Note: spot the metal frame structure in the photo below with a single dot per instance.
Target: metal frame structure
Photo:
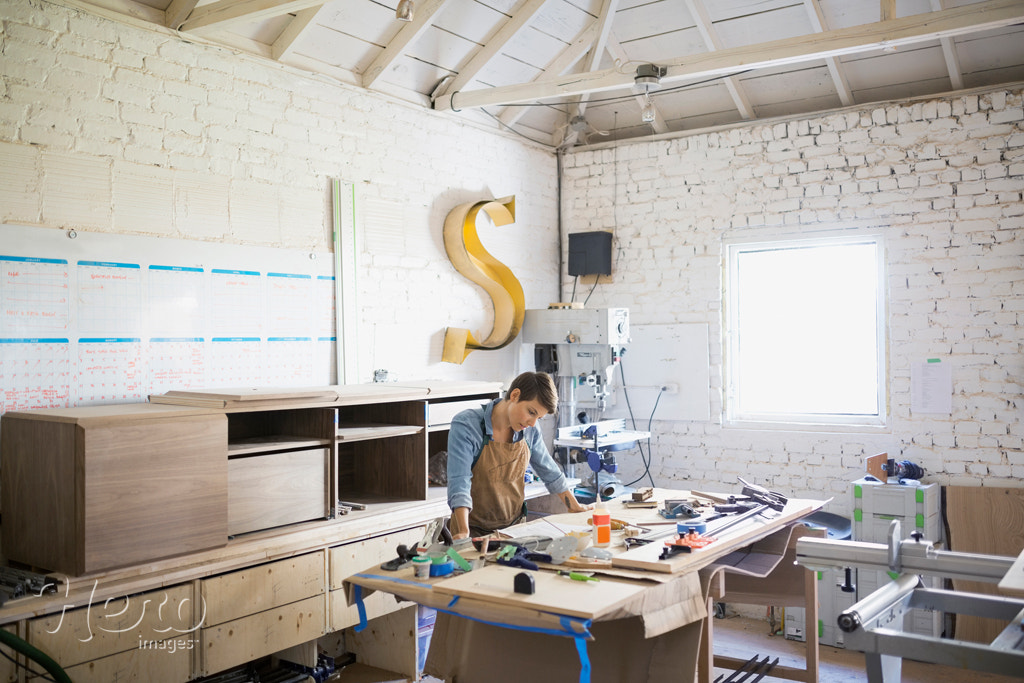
(874, 625)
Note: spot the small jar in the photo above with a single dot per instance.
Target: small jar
(421, 567)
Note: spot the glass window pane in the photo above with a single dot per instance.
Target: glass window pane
(805, 330)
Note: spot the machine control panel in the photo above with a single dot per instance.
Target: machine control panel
(577, 326)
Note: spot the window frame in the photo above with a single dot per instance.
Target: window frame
(732, 417)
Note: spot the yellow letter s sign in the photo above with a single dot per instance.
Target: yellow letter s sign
(469, 257)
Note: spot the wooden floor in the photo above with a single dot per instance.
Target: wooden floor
(744, 637)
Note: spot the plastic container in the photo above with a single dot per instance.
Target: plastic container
(421, 566)
(602, 527)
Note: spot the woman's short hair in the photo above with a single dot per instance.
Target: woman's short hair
(536, 386)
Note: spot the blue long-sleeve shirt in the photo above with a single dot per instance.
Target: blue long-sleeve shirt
(469, 431)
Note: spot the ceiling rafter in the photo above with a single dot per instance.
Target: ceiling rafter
(283, 46)
(835, 68)
(559, 65)
(220, 15)
(869, 37)
(177, 12)
(702, 19)
(566, 135)
(520, 18)
(950, 54)
(426, 10)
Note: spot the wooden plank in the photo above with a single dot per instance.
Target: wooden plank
(984, 520)
(272, 444)
(249, 638)
(119, 625)
(363, 432)
(389, 641)
(274, 489)
(554, 593)
(646, 556)
(256, 589)
(1013, 582)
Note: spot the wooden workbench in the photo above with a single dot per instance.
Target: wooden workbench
(642, 621)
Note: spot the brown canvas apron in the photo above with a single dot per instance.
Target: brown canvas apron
(499, 486)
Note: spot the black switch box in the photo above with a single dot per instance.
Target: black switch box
(590, 253)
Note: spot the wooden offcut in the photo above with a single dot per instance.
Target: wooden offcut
(989, 521)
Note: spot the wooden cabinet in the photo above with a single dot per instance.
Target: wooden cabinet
(229, 499)
(88, 489)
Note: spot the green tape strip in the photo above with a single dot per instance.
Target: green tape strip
(459, 560)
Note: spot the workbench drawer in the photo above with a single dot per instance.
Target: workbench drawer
(350, 558)
(345, 560)
(275, 489)
(243, 640)
(256, 589)
(120, 625)
(168, 661)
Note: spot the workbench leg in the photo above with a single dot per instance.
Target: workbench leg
(811, 625)
(706, 651)
(883, 668)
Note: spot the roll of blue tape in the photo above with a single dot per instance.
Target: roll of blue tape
(696, 524)
(442, 568)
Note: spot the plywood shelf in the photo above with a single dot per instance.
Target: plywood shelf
(272, 444)
(363, 432)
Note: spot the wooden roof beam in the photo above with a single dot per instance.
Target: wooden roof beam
(521, 16)
(892, 33)
(220, 15)
(409, 34)
(835, 69)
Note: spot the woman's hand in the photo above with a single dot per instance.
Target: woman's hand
(573, 505)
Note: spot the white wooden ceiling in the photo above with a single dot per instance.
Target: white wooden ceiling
(563, 72)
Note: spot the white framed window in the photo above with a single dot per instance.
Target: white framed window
(805, 331)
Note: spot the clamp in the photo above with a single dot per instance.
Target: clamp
(512, 555)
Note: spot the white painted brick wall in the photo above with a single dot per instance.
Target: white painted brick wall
(943, 178)
(242, 151)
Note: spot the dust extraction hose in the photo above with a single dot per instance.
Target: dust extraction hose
(35, 654)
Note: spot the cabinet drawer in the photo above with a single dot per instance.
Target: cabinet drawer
(243, 640)
(348, 559)
(351, 558)
(168, 661)
(275, 489)
(442, 413)
(120, 625)
(256, 589)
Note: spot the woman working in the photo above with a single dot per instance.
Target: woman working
(488, 450)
